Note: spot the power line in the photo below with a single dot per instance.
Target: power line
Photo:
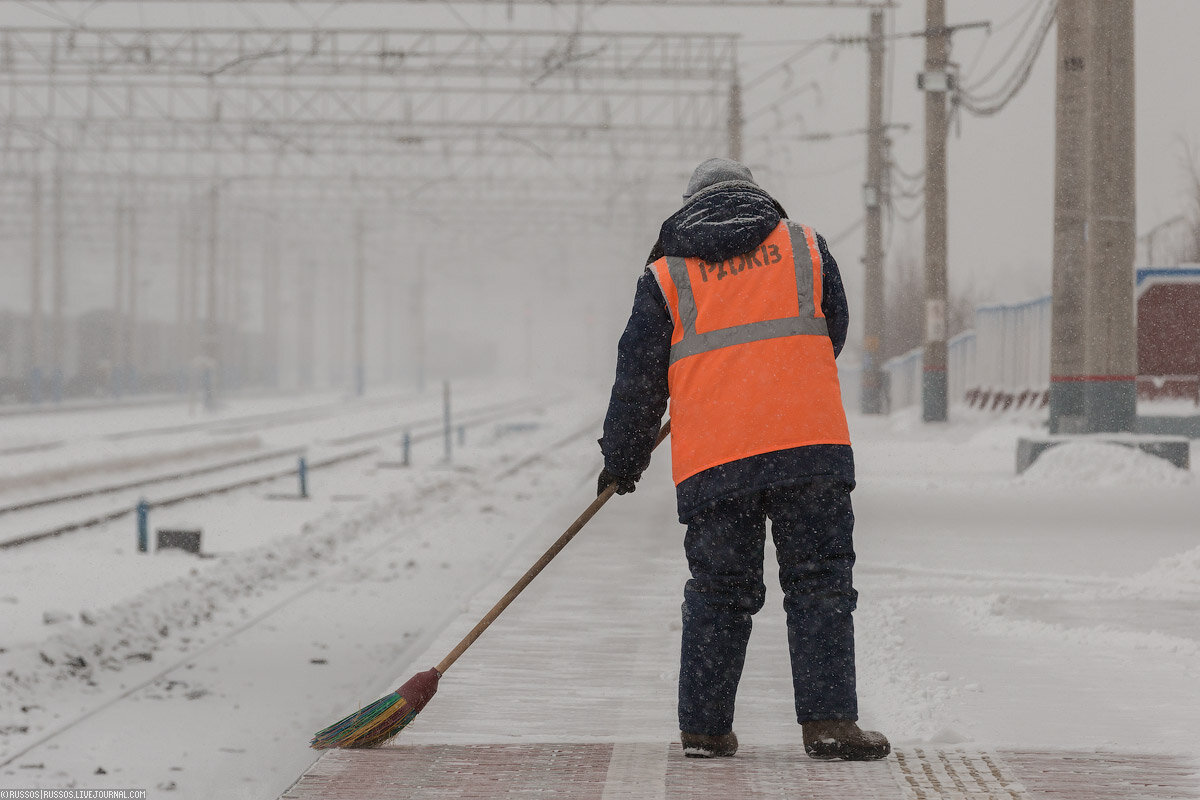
(993, 103)
(913, 177)
(786, 64)
(836, 240)
(920, 208)
(910, 194)
(1012, 47)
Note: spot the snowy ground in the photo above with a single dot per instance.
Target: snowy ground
(1058, 610)
(98, 629)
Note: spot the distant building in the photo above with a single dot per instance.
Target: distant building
(1168, 330)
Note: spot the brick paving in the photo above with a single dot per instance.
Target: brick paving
(601, 771)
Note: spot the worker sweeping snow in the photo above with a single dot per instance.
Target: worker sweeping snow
(736, 322)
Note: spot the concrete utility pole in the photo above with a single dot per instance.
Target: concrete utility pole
(212, 342)
(59, 292)
(873, 197)
(736, 121)
(35, 292)
(419, 322)
(360, 311)
(234, 360)
(269, 373)
(335, 317)
(131, 343)
(390, 301)
(934, 389)
(181, 300)
(1110, 350)
(1070, 209)
(192, 345)
(117, 367)
(305, 291)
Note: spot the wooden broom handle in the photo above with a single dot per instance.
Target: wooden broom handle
(533, 571)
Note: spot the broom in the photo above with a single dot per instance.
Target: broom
(374, 724)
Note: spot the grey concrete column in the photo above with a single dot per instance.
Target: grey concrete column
(1070, 201)
(1110, 350)
(871, 401)
(934, 385)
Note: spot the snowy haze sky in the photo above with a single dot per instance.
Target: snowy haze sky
(1001, 168)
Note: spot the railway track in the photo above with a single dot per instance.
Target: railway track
(229, 426)
(266, 420)
(283, 603)
(420, 430)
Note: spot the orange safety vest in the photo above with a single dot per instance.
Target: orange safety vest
(752, 367)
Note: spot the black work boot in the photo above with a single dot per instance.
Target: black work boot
(700, 745)
(830, 739)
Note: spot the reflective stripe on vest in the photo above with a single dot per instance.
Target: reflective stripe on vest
(752, 369)
(808, 322)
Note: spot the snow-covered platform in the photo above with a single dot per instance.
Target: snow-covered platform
(1004, 656)
(660, 772)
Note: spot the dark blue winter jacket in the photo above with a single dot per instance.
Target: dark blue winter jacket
(714, 226)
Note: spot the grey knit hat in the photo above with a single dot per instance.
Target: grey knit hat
(717, 170)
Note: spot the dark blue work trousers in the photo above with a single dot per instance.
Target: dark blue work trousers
(812, 525)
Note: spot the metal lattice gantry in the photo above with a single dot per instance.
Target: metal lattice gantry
(529, 55)
(195, 146)
(365, 94)
(687, 4)
(165, 144)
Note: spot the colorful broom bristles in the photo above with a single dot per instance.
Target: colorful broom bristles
(374, 724)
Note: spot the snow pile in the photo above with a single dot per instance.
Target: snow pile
(911, 706)
(995, 615)
(1102, 465)
(1171, 577)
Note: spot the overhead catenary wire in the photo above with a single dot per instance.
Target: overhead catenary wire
(911, 217)
(1033, 48)
(1026, 8)
(919, 175)
(996, 101)
(785, 65)
(842, 235)
(290, 144)
(910, 194)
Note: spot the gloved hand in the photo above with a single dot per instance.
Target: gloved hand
(624, 485)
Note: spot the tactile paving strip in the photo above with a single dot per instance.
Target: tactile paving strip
(954, 774)
(780, 772)
(1060, 775)
(661, 772)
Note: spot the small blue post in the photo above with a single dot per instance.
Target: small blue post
(462, 435)
(302, 471)
(406, 444)
(143, 526)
